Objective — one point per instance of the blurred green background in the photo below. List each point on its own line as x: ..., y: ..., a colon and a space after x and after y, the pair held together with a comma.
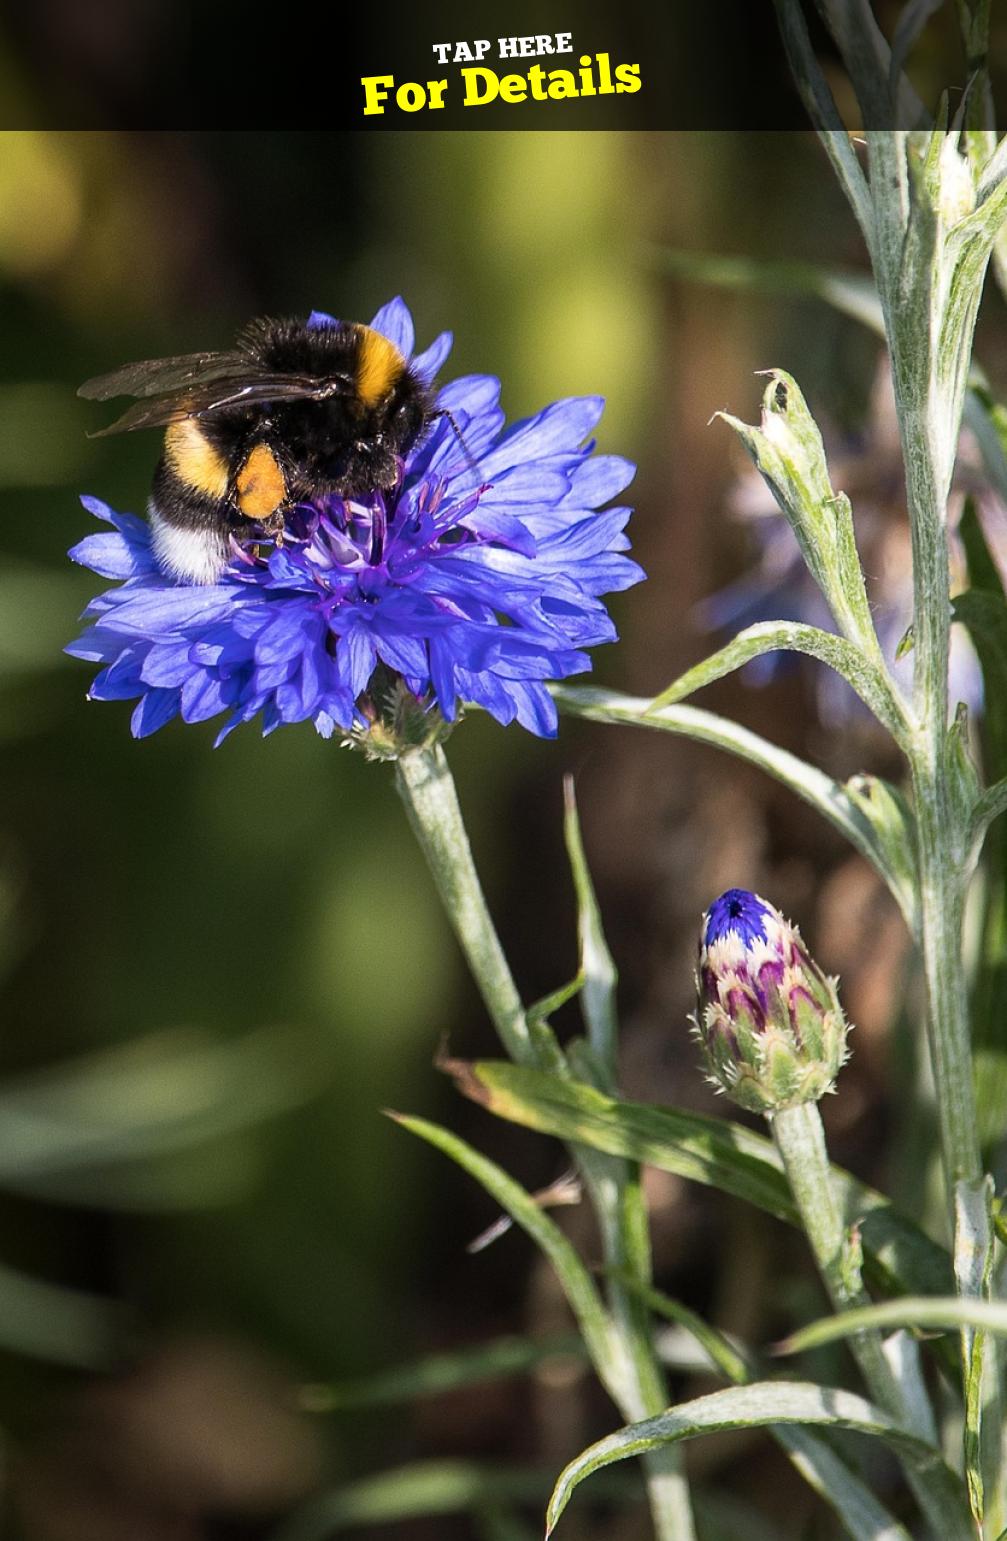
x: 219, y: 966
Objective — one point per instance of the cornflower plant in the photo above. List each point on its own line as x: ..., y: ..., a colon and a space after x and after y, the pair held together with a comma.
x: 483, y: 587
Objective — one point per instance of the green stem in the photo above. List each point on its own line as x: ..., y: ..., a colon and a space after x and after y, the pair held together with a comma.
x: 929, y: 407
x: 633, y: 1374
x: 941, y: 842
x: 427, y: 788
x: 800, y: 1139
x: 948, y: 1027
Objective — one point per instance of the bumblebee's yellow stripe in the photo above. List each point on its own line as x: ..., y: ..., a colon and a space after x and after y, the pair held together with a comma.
x: 379, y: 365
x: 194, y: 460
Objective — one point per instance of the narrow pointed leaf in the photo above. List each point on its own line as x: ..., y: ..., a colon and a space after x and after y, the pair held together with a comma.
x: 983, y: 609
x: 899, y: 1256
x: 102, y: 1128
x: 770, y: 1403
x: 912, y: 19
x: 887, y: 99
x: 822, y: 110
x: 844, y: 289
x: 499, y: 1359
x: 973, y: 1262
x: 872, y: 685
x: 821, y: 1467
x: 893, y: 822
x: 596, y: 962
x: 928, y: 1313
x: 579, y: 1287
x: 424, y: 1489
x: 829, y: 797
x: 51, y: 1322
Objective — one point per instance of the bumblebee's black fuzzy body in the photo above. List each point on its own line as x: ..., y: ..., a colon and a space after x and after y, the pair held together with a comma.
x: 351, y: 442
x: 294, y: 412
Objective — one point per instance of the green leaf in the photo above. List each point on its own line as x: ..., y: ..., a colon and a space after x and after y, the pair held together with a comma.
x: 63, y: 1326
x: 113, y: 1128
x: 893, y: 823
x: 617, y: 1196
x: 539, y: 1018
x: 597, y: 966
x: 984, y: 611
x: 787, y: 449
x: 439, y: 1373
x: 926, y: 1313
x: 995, y: 170
x: 716, y: 1152
x: 963, y: 773
x: 988, y: 422
x: 973, y: 1262
x: 872, y: 685
x: 578, y: 1286
x: 983, y: 571
x: 989, y: 806
x: 886, y: 97
x: 422, y: 1488
x: 830, y: 798
x: 824, y: 1471
x: 912, y: 19
x: 971, y: 239
x: 822, y: 111
x: 722, y: 1353
x: 765, y: 1404
x: 844, y: 289
x: 609, y: 1343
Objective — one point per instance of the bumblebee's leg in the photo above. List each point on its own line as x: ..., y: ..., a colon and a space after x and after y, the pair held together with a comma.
x: 274, y: 525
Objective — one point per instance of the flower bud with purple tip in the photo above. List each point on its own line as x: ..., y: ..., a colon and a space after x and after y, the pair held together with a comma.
x: 769, y: 1021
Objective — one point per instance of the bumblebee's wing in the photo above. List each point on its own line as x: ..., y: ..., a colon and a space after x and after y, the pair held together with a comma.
x: 237, y: 388
x: 157, y: 376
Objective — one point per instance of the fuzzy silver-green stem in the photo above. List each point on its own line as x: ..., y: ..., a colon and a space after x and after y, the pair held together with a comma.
x: 427, y: 788
x: 631, y: 1372
x: 928, y: 378
x: 940, y: 840
x: 800, y: 1139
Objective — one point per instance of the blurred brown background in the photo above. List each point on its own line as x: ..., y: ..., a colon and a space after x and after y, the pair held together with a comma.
x: 218, y: 967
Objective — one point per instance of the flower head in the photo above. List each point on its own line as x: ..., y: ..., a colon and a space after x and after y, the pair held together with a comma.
x: 769, y: 1021
x: 476, y: 579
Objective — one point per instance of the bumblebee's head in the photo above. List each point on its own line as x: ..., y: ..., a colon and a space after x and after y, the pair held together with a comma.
x: 347, y: 446
x: 387, y: 432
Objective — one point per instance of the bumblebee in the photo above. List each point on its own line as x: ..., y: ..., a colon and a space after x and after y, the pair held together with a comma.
x: 292, y: 413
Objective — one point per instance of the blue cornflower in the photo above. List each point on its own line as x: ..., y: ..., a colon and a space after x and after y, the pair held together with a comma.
x: 477, y: 579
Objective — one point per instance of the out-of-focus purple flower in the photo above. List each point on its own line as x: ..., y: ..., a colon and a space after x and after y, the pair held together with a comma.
x: 477, y: 579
